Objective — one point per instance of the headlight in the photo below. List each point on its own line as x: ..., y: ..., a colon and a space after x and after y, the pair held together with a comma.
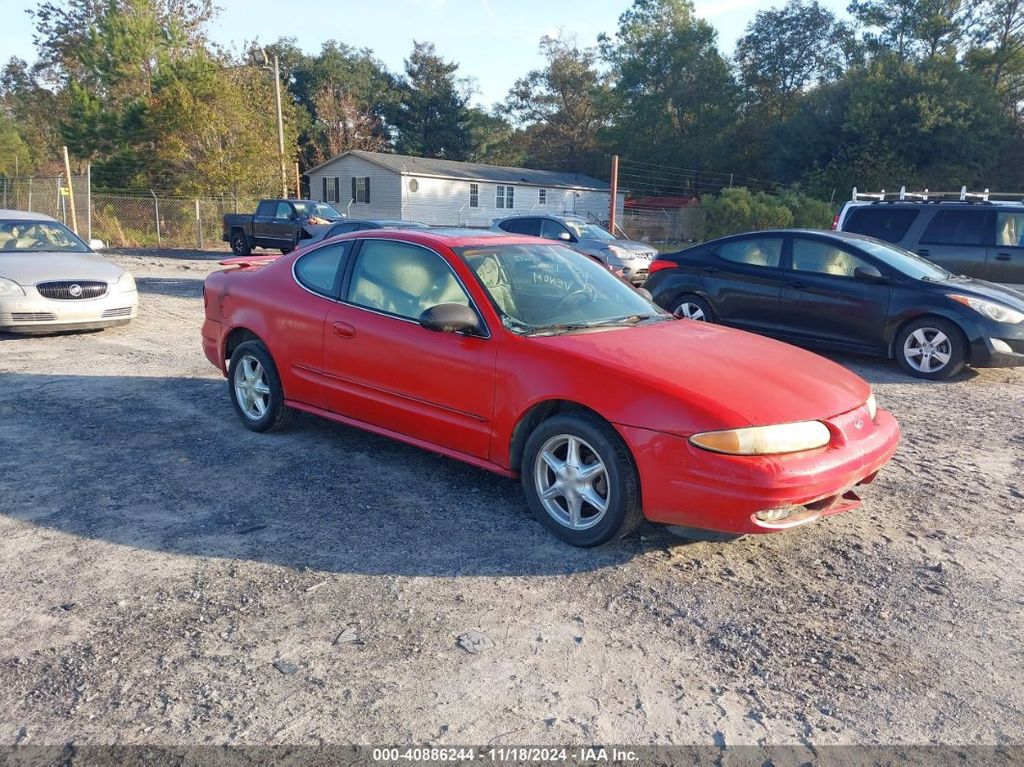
x: 126, y: 282
x: 872, y: 407
x: 991, y: 309
x: 620, y: 253
x: 765, y: 440
x: 10, y: 288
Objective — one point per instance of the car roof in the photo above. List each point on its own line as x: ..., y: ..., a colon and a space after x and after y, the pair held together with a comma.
x: 824, y: 233
x: 24, y: 215
x: 556, y: 216
x: 450, y: 238
x: 938, y: 204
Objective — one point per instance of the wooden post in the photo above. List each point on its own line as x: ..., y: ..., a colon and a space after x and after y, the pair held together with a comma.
x: 298, y: 182
x: 615, y: 194
x: 71, y: 191
x: 280, y: 127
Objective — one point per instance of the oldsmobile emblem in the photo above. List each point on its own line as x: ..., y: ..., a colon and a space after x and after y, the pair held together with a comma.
x: 75, y: 291
x: 858, y: 424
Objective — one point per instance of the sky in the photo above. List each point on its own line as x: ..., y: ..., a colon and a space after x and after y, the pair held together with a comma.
x: 494, y: 41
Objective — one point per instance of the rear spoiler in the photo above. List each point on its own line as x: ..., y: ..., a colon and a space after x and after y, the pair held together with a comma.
x: 242, y: 261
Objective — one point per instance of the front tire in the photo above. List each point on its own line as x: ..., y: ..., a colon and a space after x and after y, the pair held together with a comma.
x: 255, y: 389
x: 693, y: 308
x: 580, y: 480
x: 931, y: 348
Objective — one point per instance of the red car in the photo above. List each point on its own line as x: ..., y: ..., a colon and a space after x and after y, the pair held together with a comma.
x: 526, y: 358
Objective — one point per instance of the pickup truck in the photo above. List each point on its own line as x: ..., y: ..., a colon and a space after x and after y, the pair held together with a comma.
x: 279, y: 224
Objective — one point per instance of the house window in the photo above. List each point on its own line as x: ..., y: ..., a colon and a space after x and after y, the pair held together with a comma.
x: 331, y: 190
x: 542, y: 197
x: 474, y: 195
x: 361, y: 189
x: 504, y: 197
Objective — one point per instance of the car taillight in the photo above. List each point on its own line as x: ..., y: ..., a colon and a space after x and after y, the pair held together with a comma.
x: 659, y: 264
x: 835, y: 223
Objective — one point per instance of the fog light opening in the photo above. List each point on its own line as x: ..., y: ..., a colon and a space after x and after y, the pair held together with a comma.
x: 777, y: 515
x: 1001, y: 346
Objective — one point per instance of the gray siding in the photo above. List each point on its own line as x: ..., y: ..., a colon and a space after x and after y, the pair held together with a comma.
x: 385, y: 187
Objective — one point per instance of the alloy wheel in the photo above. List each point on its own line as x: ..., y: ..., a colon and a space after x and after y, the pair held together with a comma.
x: 690, y: 311
x: 572, y: 482
x: 252, y: 390
x: 927, y: 350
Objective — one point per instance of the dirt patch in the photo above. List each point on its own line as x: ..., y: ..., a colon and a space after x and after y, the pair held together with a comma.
x: 168, y: 577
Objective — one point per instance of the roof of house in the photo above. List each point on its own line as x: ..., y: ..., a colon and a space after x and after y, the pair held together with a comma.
x: 472, y: 171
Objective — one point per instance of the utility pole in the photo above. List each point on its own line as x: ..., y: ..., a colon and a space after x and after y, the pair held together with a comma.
x: 71, y: 191
x: 298, y: 182
x: 280, y: 128
x: 615, y: 194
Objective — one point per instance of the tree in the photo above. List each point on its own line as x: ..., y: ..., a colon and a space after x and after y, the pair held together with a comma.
x: 562, y: 106
x: 787, y: 49
x: 494, y: 139
x: 914, y: 29
x: 431, y: 118
x: 676, y: 95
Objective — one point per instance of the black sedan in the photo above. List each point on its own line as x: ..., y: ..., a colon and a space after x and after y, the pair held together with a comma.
x: 845, y: 292
x: 359, y: 225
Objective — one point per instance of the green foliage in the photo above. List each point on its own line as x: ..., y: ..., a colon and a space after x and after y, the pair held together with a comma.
x: 739, y: 210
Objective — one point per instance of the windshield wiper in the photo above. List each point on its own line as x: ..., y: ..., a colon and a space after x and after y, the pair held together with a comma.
x: 565, y: 327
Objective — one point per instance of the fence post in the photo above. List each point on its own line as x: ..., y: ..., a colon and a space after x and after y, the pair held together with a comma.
x: 156, y: 208
x: 30, y: 185
x: 199, y: 228
x: 88, y: 198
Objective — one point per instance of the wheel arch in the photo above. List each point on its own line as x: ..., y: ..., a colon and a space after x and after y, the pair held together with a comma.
x: 236, y: 337
x: 540, y: 412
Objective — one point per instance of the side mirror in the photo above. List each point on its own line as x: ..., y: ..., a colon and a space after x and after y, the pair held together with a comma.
x: 97, y: 244
x: 868, y: 273
x: 565, y: 236
x: 452, y: 318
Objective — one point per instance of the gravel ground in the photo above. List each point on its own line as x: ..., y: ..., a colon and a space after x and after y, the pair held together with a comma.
x: 168, y: 577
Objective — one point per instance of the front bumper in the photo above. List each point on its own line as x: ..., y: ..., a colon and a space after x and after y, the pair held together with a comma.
x: 685, y: 486
x: 995, y: 344
x: 33, y: 313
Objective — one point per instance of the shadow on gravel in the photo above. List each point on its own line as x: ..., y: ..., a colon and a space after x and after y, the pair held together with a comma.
x: 178, y: 254
x: 877, y: 371
x: 164, y: 464
x: 180, y: 287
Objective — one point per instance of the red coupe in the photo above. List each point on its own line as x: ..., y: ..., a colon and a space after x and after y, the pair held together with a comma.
x: 526, y: 358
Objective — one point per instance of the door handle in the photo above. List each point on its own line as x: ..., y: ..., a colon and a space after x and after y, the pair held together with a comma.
x: 1003, y: 257
x: 344, y: 330
x: 798, y: 285
x: 924, y: 252
x: 709, y: 269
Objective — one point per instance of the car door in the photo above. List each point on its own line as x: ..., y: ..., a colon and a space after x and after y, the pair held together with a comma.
x: 388, y: 371
x: 743, y: 278
x: 283, y: 227
x: 262, y: 223
x: 1006, y: 259
x: 824, y: 302
x: 555, y: 230
x: 958, y: 239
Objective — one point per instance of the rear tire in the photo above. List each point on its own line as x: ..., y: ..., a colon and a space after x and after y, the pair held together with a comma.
x: 931, y: 348
x: 580, y: 480
x: 694, y: 308
x: 255, y: 389
x: 240, y: 244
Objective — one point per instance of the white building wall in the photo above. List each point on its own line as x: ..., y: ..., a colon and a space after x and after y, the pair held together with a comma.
x: 446, y: 202
x: 385, y: 187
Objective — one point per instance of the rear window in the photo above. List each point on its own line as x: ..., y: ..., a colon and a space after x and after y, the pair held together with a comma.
x: 956, y: 227
x: 889, y: 224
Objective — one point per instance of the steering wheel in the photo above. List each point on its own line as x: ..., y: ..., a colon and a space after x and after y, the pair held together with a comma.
x: 575, y: 298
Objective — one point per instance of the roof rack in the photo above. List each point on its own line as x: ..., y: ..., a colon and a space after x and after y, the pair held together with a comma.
x: 964, y: 195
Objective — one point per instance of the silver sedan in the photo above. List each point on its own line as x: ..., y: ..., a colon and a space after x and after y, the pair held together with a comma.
x: 51, y: 280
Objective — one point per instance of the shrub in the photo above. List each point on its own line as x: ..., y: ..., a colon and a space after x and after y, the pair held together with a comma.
x: 738, y: 210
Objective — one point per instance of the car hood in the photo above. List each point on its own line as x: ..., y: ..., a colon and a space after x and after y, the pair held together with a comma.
x: 631, y: 245
x: 31, y: 268
x: 731, y: 377
x: 982, y: 289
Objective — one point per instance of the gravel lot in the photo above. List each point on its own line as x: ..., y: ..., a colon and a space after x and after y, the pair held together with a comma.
x: 168, y: 577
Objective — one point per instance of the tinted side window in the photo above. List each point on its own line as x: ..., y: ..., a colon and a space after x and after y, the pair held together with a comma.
x: 763, y: 251
x: 956, y: 227
x: 824, y: 258
x: 284, y: 210
x: 1010, y: 229
x: 343, y: 229
x: 529, y: 226
x: 551, y: 230
x: 266, y: 208
x: 403, y: 279
x: 319, y: 269
x: 889, y: 224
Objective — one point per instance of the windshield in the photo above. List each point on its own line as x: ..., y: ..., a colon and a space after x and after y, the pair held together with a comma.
x: 549, y: 288
x: 584, y: 231
x: 904, y: 261
x: 320, y: 209
x: 27, y: 236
